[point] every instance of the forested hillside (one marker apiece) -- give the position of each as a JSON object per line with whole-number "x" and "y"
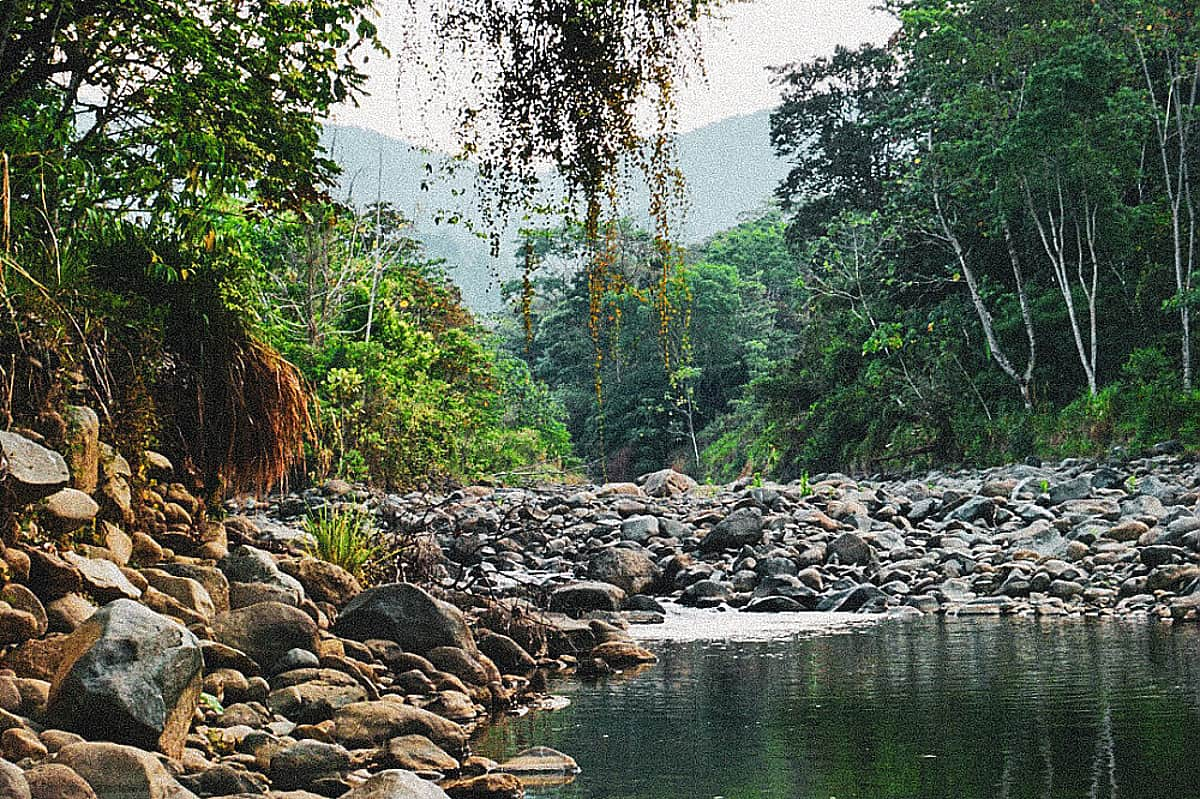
{"x": 439, "y": 194}
{"x": 985, "y": 250}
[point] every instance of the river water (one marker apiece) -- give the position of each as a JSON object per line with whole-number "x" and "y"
{"x": 797, "y": 707}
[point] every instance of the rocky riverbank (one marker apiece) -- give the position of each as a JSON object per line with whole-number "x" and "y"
{"x": 150, "y": 651}
{"x": 1072, "y": 538}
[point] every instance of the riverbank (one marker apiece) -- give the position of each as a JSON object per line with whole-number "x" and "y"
{"x": 150, "y": 650}
{"x": 1071, "y": 538}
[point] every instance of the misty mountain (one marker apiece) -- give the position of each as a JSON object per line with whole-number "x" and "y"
{"x": 729, "y": 168}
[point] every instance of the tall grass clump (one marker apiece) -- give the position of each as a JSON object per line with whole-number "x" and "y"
{"x": 345, "y": 537}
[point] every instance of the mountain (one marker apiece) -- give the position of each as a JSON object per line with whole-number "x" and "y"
{"x": 729, "y": 168}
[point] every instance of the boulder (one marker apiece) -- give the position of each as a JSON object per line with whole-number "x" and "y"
{"x": 224, "y": 779}
{"x": 67, "y": 612}
{"x": 396, "y": 784}
{"x": 36, "y": 658}
{"x": 68, "y": 509}
{"x": 212, "y": 578}
{"x": 743, "y": 526}
{"x": 323, "y": 581}
{"x": 266, "y": 631}
{"x": 362, "y": 725}
{"x": 184, "y": 590}
{"x": 298, "y": 765}
{"x": 50, "y": 576}
{"x": 667, "y": 483}
{"x": 82, "y": 447}
{"x": 121, "y": 772}
{"x": 851, "y": 599}
{"x": 56, "y": 781}
{"x": 158, "y": 466}
{"x": 30, "y": 470}
{"x": 16, "y": 625}
{"x": 12, "y": 782}
{"x": 496, "y": 785}
{"x": 639, "y": 528}
{"x": 631, "y": 570}
{"x": 772, "y": 604}
{"x": 539, "y": 760}
{"x": 473, "y": 669}
{"x": 418, "y": 753}
{"x": 581, "y": 597}
{"x": 622, "y": 654}
{"x": 103, "y": 579}
{"x": 850, "y": 550}
{"x": 21, "y": 598}
{"x": 128, "y": 675}
{"x": 247, "y": 564}
{"x": 506, "y": 653}
{"x": 407, "y": 615}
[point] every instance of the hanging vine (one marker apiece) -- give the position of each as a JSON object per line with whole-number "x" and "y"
{"x": 585, "y": 87}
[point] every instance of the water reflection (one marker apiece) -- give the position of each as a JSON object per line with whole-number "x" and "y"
{"x": 960, "y": 709}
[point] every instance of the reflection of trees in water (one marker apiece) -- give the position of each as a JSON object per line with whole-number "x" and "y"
{"x": 966, "y": 710}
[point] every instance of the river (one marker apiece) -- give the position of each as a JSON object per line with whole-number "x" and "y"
{"x": 801, "y": 707}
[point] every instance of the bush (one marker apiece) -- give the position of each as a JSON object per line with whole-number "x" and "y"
{"x": 345, "y": 537}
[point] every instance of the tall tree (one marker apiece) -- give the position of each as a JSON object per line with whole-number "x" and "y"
{"x": 832, "y": 127}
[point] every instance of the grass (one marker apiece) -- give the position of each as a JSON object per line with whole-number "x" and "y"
{"x": 345, "y": 537}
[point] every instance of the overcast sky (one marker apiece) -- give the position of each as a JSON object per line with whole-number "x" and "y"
{"x": 737, "y": 51}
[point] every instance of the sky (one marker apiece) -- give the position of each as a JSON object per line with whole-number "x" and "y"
{"x": 737, "y": 51}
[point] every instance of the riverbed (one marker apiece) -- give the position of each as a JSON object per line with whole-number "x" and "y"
{"x": 808, "y": 706}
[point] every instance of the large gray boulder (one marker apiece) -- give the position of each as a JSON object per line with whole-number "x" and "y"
{"x": 128, "y": 675}
{"x": 266, "y": 631}
{"x": 630, "y": 569}
{"x": 30, "y": 470}
{"x": 743, "y": 526}
{"x": 406, "y": 614}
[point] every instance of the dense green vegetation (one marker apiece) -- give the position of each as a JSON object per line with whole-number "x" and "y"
{"x": 985, "y": 248}
{"x": 171, "y": 257}
{"x": 986, "y": 251}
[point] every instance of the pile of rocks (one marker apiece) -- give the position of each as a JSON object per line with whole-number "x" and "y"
{"x": 1072, "y": 538}
{"x": 150, "y": 652}
{"x": 147, "y": 652}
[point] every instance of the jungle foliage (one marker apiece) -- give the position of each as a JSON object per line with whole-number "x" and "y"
{"x": 171, "y": 255}
{"x": 985, "y": 250}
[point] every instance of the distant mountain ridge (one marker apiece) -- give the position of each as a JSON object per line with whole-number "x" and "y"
{"x": 729, "y": 168}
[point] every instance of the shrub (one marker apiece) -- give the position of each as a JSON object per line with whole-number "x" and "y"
{"x": 345, "y": 537}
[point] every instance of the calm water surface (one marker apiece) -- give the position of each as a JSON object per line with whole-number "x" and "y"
{"x": 960, "y": 709}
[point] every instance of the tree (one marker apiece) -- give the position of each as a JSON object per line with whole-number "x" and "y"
{"x": 1166, "y": 40}
{"x": 832, "y": 126}
{"x": 965, "y": 87}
